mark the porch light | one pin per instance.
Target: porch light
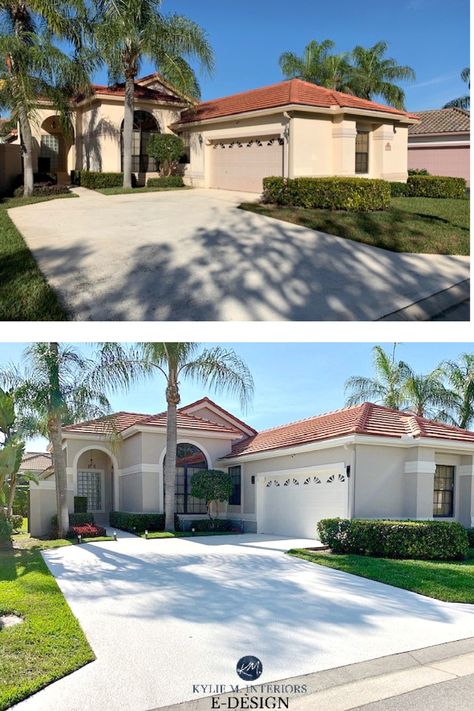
(193, 531)
(115, 535)
(79, 538)
(200, 139)
(146, 535)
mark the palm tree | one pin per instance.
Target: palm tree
(54, 389)
(462, 102)
(427, 395)
(311, 66)
(36, 67)
(219, 369)
(387, 385)
(127, 32)
(374, 75)
(460, 379)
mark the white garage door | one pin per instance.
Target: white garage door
(292, 504)
(241, 164)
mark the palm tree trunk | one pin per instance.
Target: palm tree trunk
(54, 431)
(27, 148)
(11, 495)
(172, 398)
(128, 129)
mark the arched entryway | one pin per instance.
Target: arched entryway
(54, 147)
(94, 479)
(144, 127)
(189, 459)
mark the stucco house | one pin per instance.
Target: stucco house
(441, 143)
(289, 129)
(363, 461)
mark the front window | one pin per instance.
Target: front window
(189, 459)
(362, 152)
(236, 475)
(144, 127)
(443, 499)
(89, 484)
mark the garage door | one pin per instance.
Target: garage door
(292, 504)
(241, 164)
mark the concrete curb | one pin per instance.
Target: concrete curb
(354, 685)
(426, 309)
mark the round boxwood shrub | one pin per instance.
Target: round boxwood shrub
(426, 540)
(349, 194)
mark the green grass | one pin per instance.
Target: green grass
(422, 225)
(25, 295)
(451, 581)
(132, 191)
(188, 534)
(49, 643)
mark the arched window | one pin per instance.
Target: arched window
(189, 459)
(144, 126)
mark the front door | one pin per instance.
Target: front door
(90, 483)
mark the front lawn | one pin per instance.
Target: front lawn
(49, 643)
(451, 581)
(132, 191)
(25, 295)
(423, 225)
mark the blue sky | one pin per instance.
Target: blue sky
(432, 36)
(292, 381)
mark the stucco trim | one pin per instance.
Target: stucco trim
(420, 467)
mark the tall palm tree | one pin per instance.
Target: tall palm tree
(373, 75)
(36, 67)
(53, 388)
(460, 380)
(127, 32)
(311, 66)
(427, 395)
(219, 369)
(386, 387)
(462, 102)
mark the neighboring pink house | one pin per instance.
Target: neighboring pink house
(440, 143)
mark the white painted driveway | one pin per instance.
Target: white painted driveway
(162, 615)
(194, 256)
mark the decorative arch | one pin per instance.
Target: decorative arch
(193, 458)
(115, 469)
(145, 126)
(55, 145)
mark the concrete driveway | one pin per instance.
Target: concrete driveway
(194, 255)
(164, 615)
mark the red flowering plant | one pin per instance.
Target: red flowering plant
(87, 530)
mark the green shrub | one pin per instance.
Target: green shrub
(470, 537)
(5, 531)
(426, 540)
(75, 519)
(418, 171)
(216, 524)
(166, 149)
(98, 181)
(16, 521)
(80, 504)
(170, 181)
(399, 189)
(436, 186)
(350, 194)
(44, 190)
(137, 522)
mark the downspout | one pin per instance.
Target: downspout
(352, 483)
(288, 134)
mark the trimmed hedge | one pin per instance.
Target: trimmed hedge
(470, 537)
(217, 524)
(75, 519)
(137, 522)
(96, 181)
(426, 540)
(350, 194)
(171, 181)
(44, 190)
(399, 189)
(436, 186)
(80, 504)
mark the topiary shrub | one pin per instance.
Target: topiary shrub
(6, 531)
(216, 524)
(170, 181)
(137, 522)
(349, 194)
(436, 186)
(211, 486)
(470, 537)
(44, 190)
(86, 530)
(166, 149)
(98, 181)
(426, 540)
(80, 504)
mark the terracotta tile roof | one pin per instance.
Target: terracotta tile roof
(367, 419)
(141, 92)
(36, 461)
(208, 401)
(442, 121)
(294, 91)
(121, 421)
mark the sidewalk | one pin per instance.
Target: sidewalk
(356, 685)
